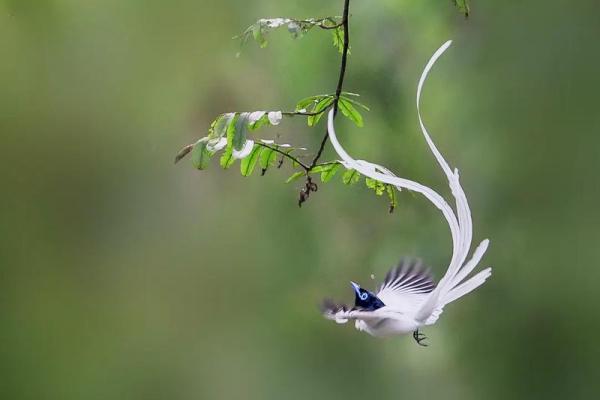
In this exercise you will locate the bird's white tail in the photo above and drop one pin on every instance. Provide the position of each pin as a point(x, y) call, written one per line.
point(466, 287)
point(456, 287)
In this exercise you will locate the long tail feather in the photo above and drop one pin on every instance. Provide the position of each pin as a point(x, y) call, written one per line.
point(468, 286)
point(470, 266)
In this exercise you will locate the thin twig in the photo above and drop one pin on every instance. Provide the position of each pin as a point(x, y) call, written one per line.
point(309, 185)
point(287, 155)
point(326, 163)
point(285, 113)
point(340, 85)
point(304, 114)
point(321, 23)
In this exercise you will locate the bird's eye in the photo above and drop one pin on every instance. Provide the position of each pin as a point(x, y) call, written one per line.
point(364, 296)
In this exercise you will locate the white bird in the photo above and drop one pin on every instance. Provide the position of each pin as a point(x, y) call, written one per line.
point(408, 299)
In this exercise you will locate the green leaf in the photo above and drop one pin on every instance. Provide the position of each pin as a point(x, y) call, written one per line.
point(318, 169)
point(238, 138)
point(220, 125)
point(231, 129)
point(295, 176)
point(248, 163)
point(329, 172)
point(259, 123)
point(319, 108)
point(201, 155)
point(349, 111)
point(357, 103)
point(308, 101)
point(227, 159)
point(268, 157)
point(371, 183)
point(184, 152)
point(392, 195)
point(463, 6)
point(350, 177)
point(338, 38)
point(377, 186)
point(259, 32)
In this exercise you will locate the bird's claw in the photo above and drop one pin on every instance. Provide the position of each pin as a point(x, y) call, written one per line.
point(419, 338)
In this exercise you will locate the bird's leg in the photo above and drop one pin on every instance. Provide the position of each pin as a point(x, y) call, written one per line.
point(419, 338)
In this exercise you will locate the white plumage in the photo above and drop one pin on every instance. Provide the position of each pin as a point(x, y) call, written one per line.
point(411, 301)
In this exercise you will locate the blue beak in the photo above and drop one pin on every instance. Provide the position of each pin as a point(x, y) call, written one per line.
point(356, 287)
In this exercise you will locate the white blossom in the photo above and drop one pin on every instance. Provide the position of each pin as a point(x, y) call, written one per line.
point(275, 117)
point(244, 151)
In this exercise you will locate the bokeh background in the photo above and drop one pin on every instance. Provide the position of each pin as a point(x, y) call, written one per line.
point(123, 276)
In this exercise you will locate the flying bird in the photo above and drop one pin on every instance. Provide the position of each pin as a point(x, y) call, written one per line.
point(392, 309)
point(408, 299)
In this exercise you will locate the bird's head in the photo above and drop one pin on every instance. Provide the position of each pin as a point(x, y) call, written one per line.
point(365, 299)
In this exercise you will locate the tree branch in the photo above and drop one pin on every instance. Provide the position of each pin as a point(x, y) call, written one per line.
point(283, 153)
point(304, 114)
point(342, 75)
point(309, 185)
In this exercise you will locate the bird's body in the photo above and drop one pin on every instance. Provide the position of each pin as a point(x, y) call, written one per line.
point(387, 327)
point(408, 299)
point(395, 309)
point(402, 304)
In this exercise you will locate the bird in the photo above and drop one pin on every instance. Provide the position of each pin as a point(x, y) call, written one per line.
point(392, 309)
point(408, 299)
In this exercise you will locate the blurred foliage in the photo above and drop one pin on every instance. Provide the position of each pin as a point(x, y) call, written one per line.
point(123, 276)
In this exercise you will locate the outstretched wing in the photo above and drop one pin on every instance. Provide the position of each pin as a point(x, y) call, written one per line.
point(341, 313)
point(406, 285)
point(334, 311)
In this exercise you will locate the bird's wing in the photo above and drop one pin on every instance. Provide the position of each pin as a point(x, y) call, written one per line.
point(406, 285)
point(340, 313)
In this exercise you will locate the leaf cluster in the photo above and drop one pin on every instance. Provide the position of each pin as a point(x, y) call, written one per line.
point(463, 6)
point(319, 104)
point(296, 27)
point(228, 134)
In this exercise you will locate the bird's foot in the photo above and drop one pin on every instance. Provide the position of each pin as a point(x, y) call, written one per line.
point(419, 338)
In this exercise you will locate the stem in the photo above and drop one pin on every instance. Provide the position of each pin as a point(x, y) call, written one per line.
point(340, 85)
point(305, 114)
point(322, 23)
point(309, 186)
point(283, 153)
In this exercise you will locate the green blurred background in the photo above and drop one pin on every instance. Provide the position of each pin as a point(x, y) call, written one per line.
point(123, 276)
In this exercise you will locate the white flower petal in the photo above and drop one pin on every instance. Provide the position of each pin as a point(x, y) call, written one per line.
point(275, 117)
point(274, 22)
point(267, 141)
point(245, 151)
point(216, 144)
point(255, 116)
